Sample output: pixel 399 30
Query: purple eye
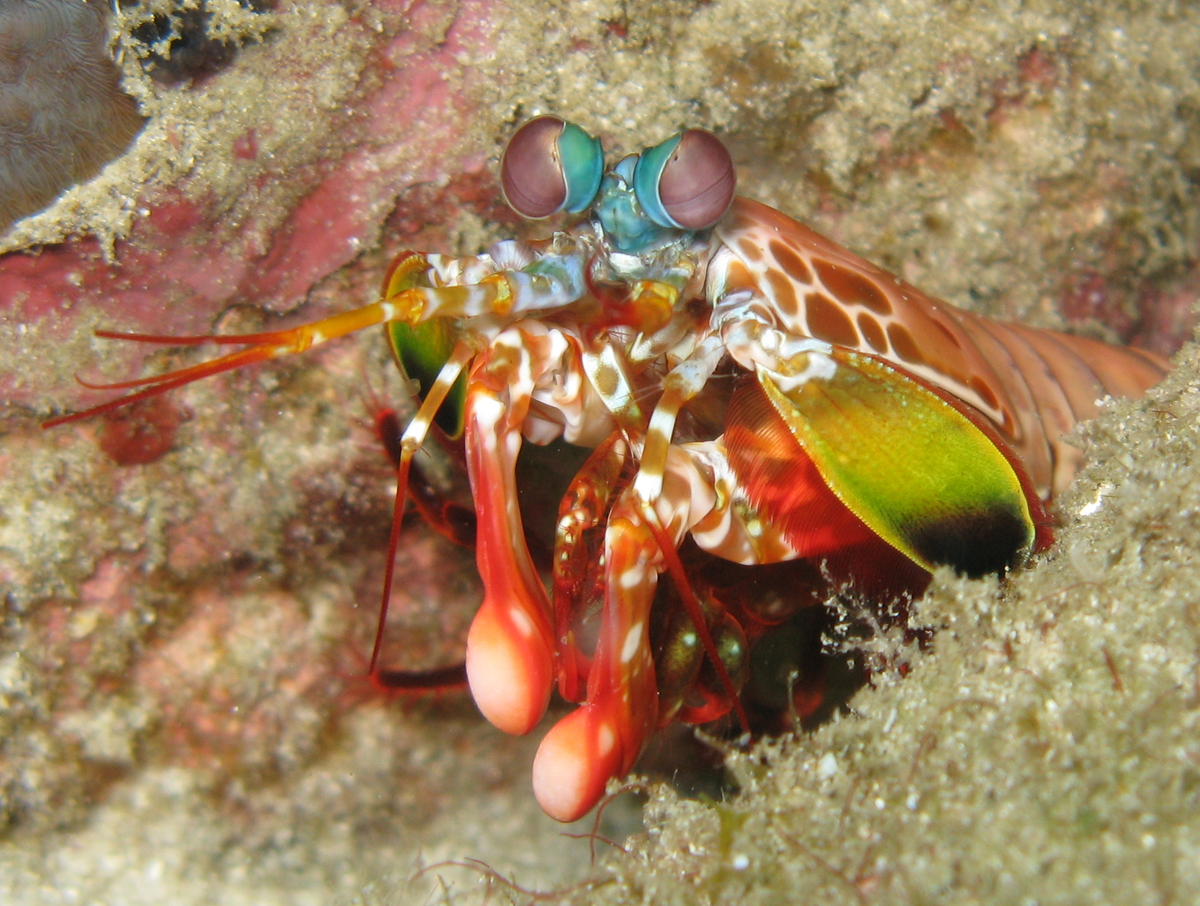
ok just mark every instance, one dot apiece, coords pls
pixel 687 182
pixel 550 165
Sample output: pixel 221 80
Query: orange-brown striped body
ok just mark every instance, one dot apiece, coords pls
pixel 1034 385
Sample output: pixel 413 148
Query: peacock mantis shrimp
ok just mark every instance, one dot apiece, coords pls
pixel 753 395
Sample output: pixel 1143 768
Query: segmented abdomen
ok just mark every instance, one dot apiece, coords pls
pixel 1034 385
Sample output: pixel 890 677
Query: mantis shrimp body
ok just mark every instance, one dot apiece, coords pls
pixel 753 394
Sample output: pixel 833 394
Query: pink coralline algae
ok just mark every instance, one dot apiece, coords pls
pixel 197 246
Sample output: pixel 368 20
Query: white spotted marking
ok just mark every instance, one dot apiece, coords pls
pixel 813 366
pixel 633 641
pixel 487 411
pixel 521 621
pixel 606 739
pixel 633 577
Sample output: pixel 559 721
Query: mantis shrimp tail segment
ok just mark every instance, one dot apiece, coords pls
pixel 754 395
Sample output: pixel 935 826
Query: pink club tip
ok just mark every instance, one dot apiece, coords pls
pixel 574 763
pixel 509 668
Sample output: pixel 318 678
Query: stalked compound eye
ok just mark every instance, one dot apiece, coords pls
pixel 551 165
pixel 687 182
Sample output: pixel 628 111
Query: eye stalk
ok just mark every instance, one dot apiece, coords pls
pixel 687 182
pixel 550 165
